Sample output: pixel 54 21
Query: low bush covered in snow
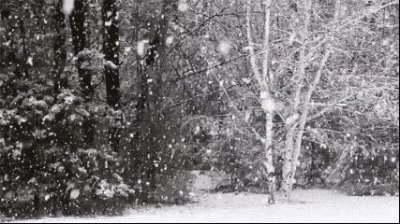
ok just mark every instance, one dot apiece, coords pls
pixel 49 166
pixel 46 169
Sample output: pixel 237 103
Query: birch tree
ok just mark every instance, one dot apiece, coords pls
pixel 318 45
pixel 267 101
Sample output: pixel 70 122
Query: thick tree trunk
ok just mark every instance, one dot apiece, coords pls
pixel 79 40
pixel 267 101
pixel 60 53
pixel 287 175
pixel 269 164
pixel 150 123
pixel 304 114
pixel 111 70
pixel 78 28
pixel 22 70
pixel 16 53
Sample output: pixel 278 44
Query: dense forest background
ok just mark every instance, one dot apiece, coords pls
pixel 109 103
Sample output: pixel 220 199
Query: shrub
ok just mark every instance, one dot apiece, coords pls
pixel 45 167
pixel 372 173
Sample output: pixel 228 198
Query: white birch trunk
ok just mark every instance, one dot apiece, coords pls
pixel 291 129
pixel 304 115
pixel 267 102
pixel 287 183
pixel 295 134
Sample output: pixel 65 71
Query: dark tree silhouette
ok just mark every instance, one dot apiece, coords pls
pixel 79 40
pixel 60 53
pixel 110 49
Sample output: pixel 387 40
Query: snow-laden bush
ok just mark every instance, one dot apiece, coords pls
pixel 371 172
pixel 174 188
pixel 44 165
pixel 361 160
pixel 228 149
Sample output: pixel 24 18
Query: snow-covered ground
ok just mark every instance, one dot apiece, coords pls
pixel 308 206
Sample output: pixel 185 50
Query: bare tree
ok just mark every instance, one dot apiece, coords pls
pixel 268 103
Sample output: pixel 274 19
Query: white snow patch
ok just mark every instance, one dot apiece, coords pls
pixel 183 5
pixel 141 47
pixel 170 40
pixel 69 100
pixel 110 64
pixel 311 206
pixel 267 102
pixel 30 61
pixel 74 194
pixel 108 23
pixel 224 47
pixel 127 50
pixel 247 81
pixel 292 119
pixel 68 7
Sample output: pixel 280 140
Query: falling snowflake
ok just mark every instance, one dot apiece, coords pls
pixel 247 81
pixel 30 61
pixel 141 47
pixel 183 5
pixel 74 194
pixel 68 7
pixel 108 23
pixel 169 40
pixel 127 50
pixel 224 47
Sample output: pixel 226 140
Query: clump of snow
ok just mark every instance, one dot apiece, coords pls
pixel 224 47
pixel 108 23
pixel 170 40
pixel 68 7
pixel 292 119
pixel 74 194
pixel 30 61
pixel 141 47
pixel 247 81
pixel 69 100
pixel 183 5
pixel 127 50
pixel 267 102
pixel 197 130
pixel 110 64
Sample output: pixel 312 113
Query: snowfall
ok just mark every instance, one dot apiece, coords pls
pixel 307 206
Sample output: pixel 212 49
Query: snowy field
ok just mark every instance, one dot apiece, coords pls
pixel 308 206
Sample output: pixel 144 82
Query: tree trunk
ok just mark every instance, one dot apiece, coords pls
pixel 150 123
pixel 304 115
pixel 79 40
pixel 22 52
pixel 296 101
pixel 287 175
pixel 267 101
pixel 60 53
pixel 78 28
pixel 111 70
pixel 13 14
pixel 269 164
